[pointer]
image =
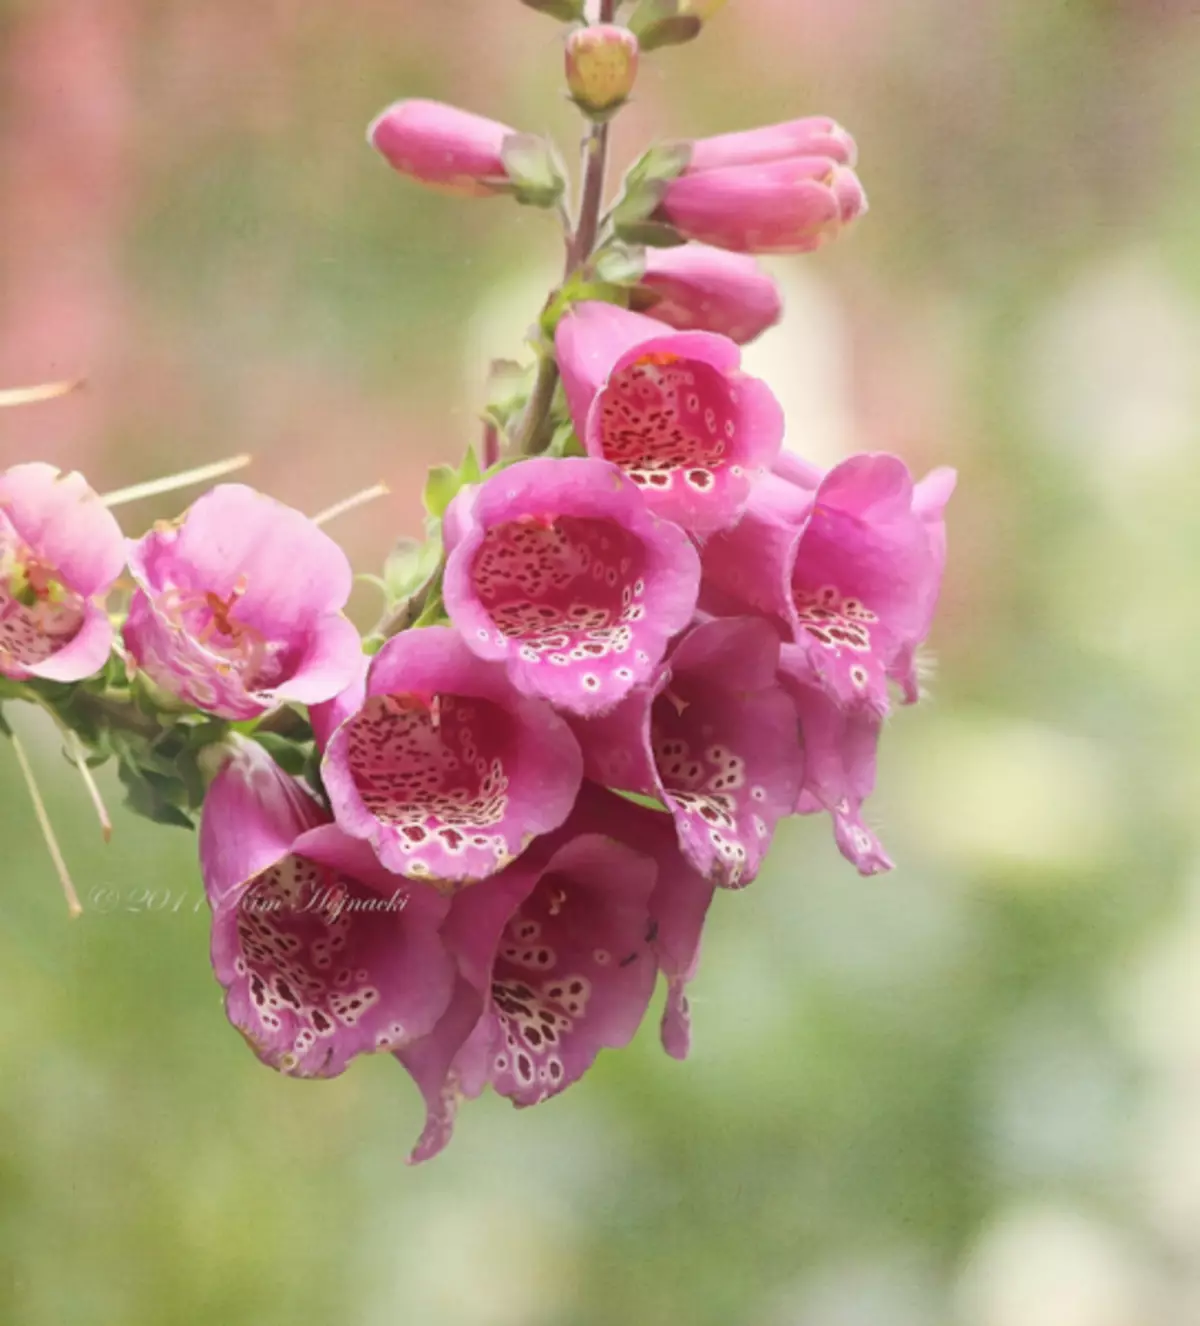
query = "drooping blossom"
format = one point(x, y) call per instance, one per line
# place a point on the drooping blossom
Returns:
point(781, 206)
point(61, 551)
point(442, 146)
point(713, 737)
point(672, 409)
point(239, 606)
point(840, 744)
point(560, 570)
point(446, 769)
point(852, 568)
point(555, 963)
point(930, 496)
point(323, 954)
point(812, 136)
point(678, 905)
point(694, 287)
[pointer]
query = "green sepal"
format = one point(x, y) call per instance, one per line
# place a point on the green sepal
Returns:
point(640, 799)
point(565, 442)
point(292, 757)
point(651, 234)
point(575, 290)
point(155, 797)
point(441, 484)
point(508, 388)
point(646, 183)
point(534, 171)
point(620, 265)
point(658, 23)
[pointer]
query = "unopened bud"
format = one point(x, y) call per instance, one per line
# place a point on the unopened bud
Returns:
point(455, 151)
point(602, 63)
point(442, 146)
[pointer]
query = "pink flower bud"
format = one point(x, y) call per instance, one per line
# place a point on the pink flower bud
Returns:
point(602, 63)
point(789, 206)
point(815, 136)
point(698, 288)
point(442, 146)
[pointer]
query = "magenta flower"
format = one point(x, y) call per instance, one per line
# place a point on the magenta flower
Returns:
point(446, 770)
point(558, 569)
point(852, 568)
point(929, 502)
point(323, 954)
point(239, 607)
point(713, 737)
point(671, 409)
point(840, 743)
point(698, 288)
point(781, 206)
point(814, 136)
point(442, 146)
point(678, 905)
point(555, 963)
point(60, 553)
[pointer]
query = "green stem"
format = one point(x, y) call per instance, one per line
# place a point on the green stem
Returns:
point(533, 435)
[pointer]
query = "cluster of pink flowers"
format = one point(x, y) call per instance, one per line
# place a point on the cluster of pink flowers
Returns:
point(650, 652)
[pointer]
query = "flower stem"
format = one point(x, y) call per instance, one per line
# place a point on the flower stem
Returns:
point(489, 451)
point(533, 435)
point(595, 169)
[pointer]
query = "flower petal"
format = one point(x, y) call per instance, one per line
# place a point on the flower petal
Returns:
point(253, 812)
point(673, 411)
point(839, 763)
point(446, 770)
point(65, 525)
point(557, 568)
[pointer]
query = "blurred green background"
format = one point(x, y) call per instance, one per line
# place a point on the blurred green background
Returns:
point(967, 1094)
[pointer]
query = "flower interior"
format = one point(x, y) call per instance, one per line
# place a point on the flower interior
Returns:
point(567, 589)
point(38, 614)
point(432, 768)
point(664, 416)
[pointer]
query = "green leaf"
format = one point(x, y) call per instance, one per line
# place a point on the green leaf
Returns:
point(409, 566)
point(508, 388)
